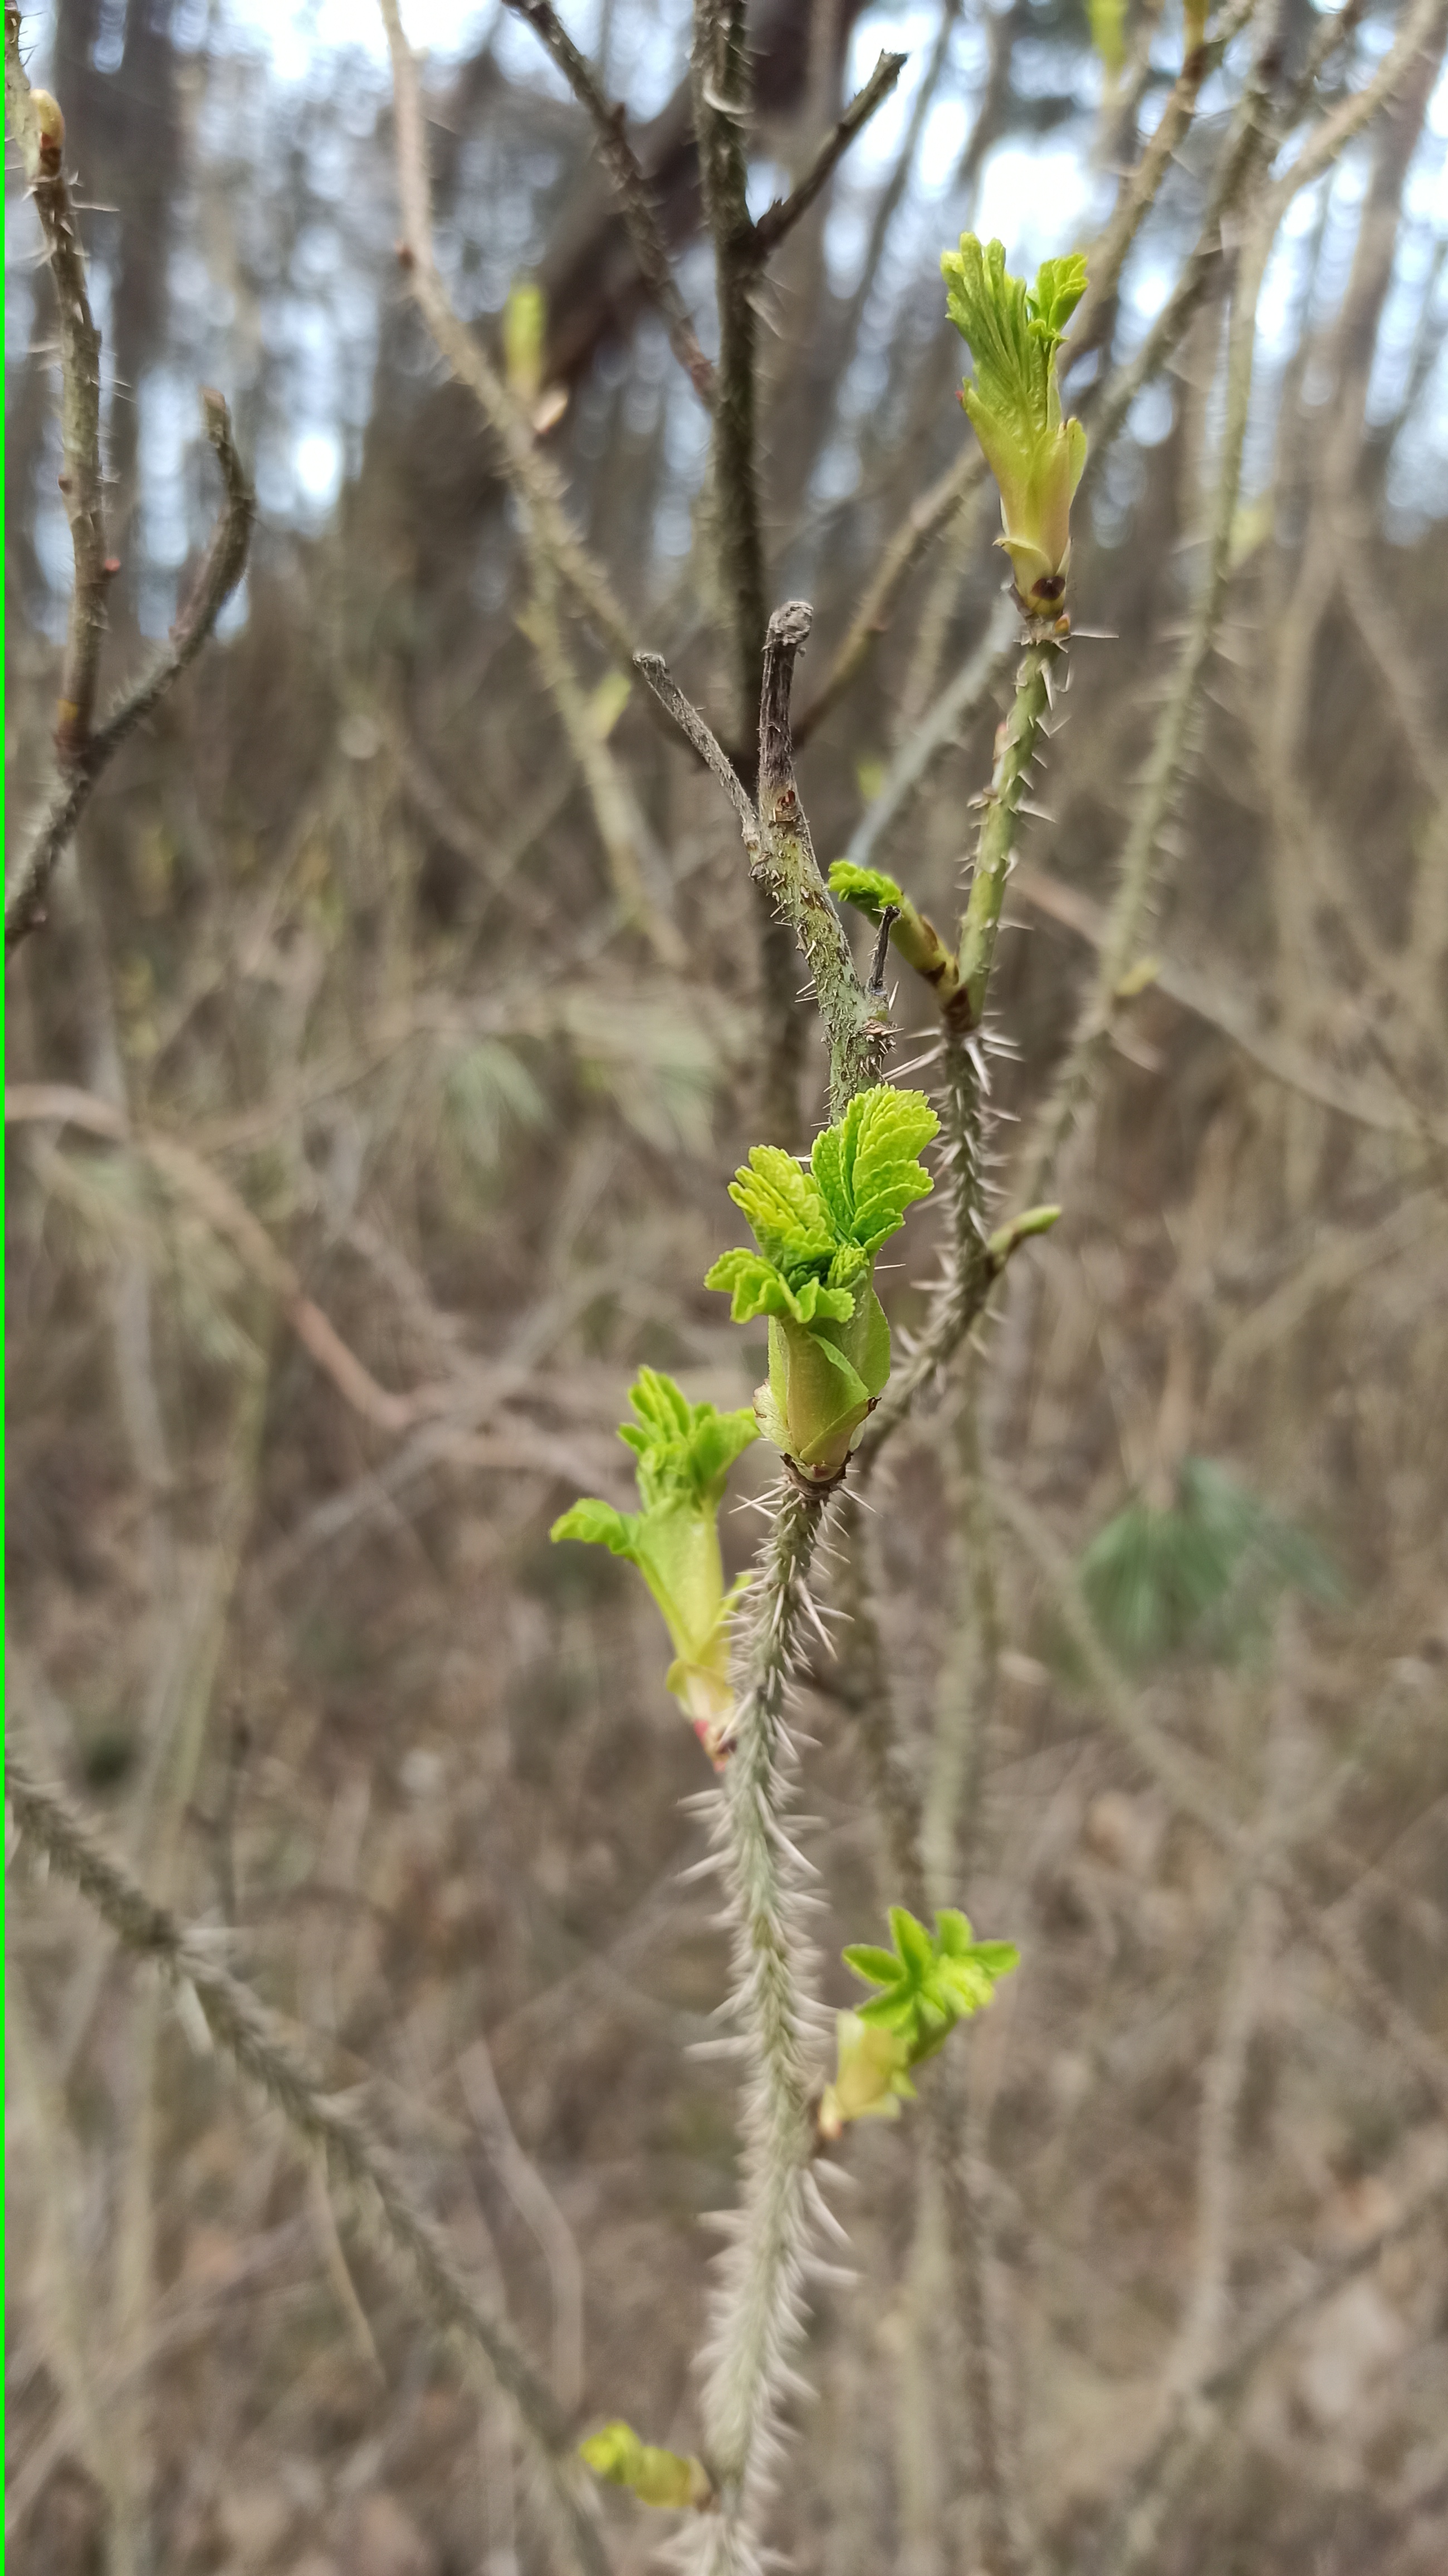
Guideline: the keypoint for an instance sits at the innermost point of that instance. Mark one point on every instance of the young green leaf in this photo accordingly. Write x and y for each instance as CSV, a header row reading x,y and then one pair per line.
x,y
927,1983
868,889
818,1227
914,936
787,1215
1014,404
866,1167
683,1455
665,2478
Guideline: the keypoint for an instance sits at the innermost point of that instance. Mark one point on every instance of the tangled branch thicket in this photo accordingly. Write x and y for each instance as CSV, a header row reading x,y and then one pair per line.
x,y
493,853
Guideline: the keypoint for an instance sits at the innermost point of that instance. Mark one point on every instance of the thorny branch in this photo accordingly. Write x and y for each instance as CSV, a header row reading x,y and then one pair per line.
x,y
781,854
84,749
936,509
856,1023
757,2310
329,2125
39,127
1141,187
221,569
632,189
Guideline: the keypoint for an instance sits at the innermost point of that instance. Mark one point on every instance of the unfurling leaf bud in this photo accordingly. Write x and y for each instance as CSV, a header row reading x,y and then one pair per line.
x,y
1014,405
818,1226
684,1453
913,934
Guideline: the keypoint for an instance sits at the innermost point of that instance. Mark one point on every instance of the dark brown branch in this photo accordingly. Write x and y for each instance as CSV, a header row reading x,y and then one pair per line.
x,y
636,202
328,2124
780,218
221,569
722,80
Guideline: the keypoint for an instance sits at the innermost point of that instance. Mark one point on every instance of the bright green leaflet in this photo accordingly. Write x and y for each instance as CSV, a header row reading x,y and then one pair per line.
x,y
927,1983
655,2476
684,1453
818,1226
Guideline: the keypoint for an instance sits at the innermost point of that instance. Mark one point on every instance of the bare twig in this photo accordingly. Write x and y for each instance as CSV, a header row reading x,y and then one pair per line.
x,y
722,95
781,854
635,198
221,569
331,2127
1141,187
652,667
620,825
780,218
532,476
722,87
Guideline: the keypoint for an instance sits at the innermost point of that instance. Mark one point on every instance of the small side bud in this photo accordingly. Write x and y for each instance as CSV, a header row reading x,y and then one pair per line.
x,y
676,2482
50,125
525,321
1008,1238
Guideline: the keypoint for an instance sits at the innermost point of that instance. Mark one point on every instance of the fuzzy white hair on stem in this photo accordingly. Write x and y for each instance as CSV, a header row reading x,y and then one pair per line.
x,y
774,2239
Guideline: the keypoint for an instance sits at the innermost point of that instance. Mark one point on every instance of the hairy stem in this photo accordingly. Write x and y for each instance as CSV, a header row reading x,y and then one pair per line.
x,y
757,2314
42,146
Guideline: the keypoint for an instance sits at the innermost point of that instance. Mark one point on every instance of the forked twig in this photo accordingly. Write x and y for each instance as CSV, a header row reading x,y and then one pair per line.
x,y
632,189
